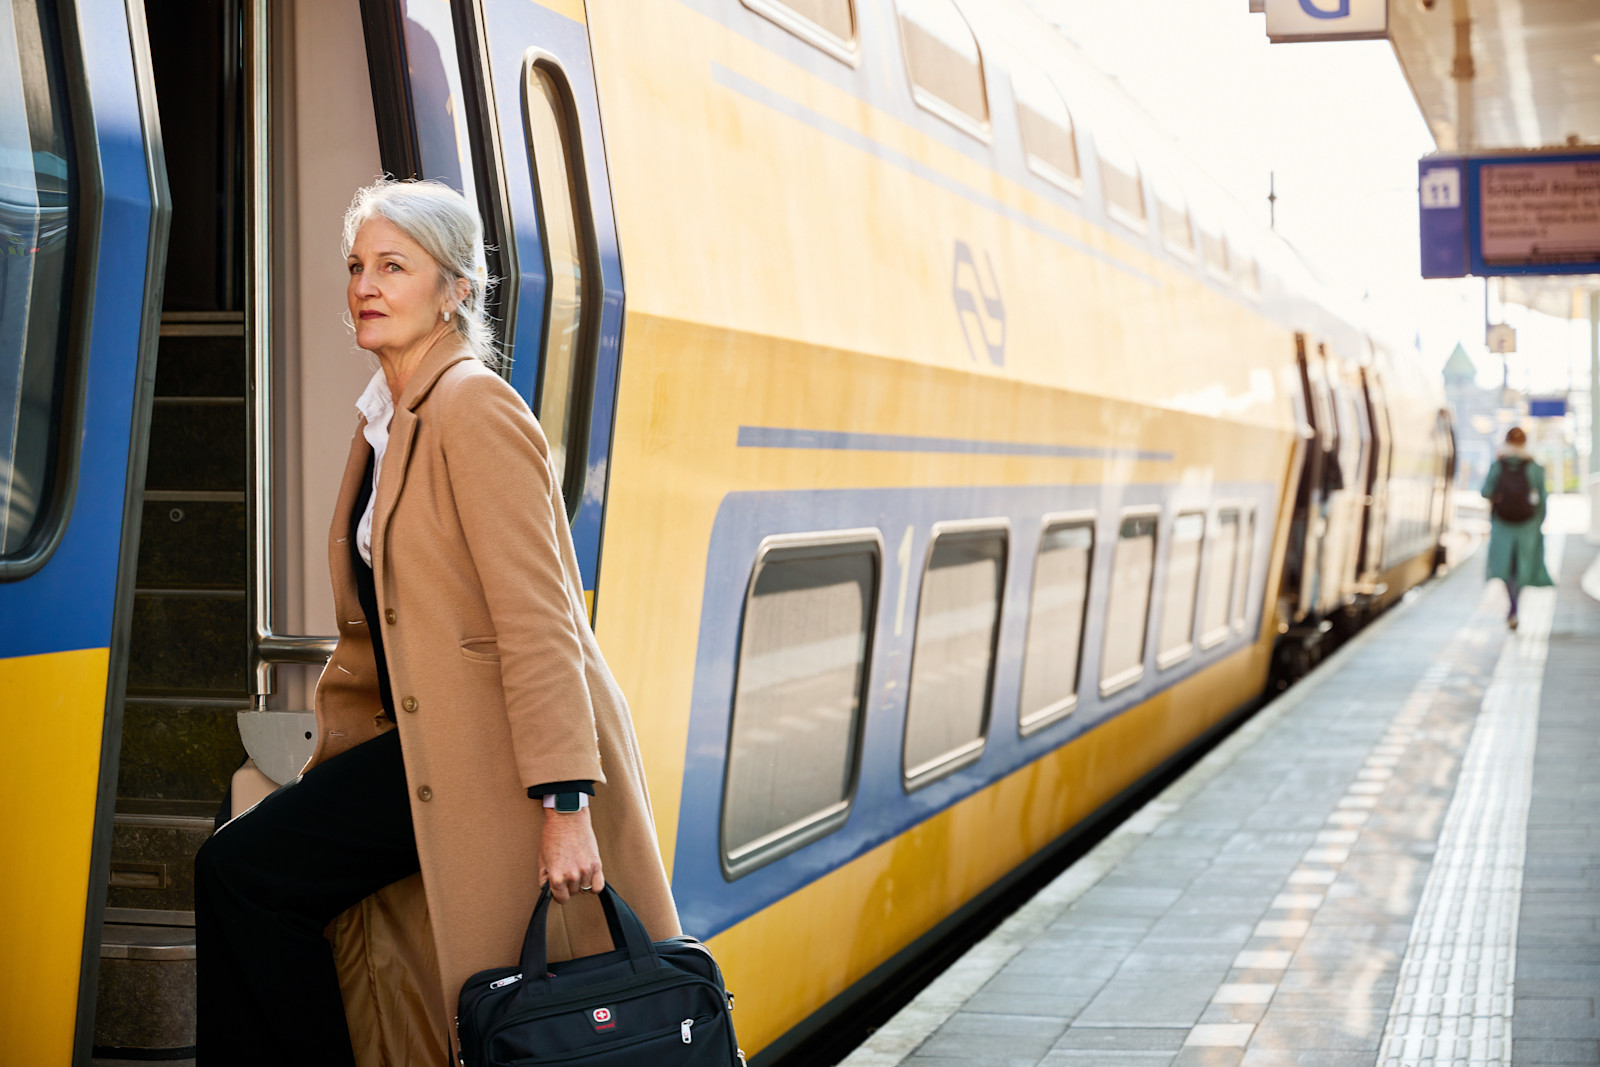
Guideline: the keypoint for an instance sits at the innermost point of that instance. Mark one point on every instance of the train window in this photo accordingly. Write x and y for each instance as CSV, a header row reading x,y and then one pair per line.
x,y
952,658
1249,275
1047,131
1181,589
562,392
797,706
38,201
944,62
1241,579
1119,175
1128,606
1175,226
1217,609
1055,624
828,24
1214,250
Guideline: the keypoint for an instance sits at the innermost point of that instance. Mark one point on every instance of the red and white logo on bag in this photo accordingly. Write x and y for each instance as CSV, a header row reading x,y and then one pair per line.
x,y
602,1019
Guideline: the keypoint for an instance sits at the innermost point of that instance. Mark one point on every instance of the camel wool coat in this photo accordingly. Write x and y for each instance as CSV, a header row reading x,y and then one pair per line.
x,y
498,684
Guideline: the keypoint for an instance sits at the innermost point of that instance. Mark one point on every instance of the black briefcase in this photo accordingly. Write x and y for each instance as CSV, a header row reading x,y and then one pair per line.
x,y
661,1004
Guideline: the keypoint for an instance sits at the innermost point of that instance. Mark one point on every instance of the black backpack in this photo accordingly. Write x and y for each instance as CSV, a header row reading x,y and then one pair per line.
x,y
661,1004
1513,496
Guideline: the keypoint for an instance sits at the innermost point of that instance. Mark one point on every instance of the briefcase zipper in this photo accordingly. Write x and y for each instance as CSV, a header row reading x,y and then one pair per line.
x,y
576,998
688,1031
616,1046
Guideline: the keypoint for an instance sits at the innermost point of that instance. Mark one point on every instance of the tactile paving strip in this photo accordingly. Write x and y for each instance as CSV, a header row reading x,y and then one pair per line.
x,y
1454,1000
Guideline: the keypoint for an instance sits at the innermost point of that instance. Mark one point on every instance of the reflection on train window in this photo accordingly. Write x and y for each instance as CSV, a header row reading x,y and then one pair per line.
x,y
1241,586
1181,588
1214,250
828,24
952,659
1128,605
1176,232
37,202
1046,124
1055,624
562,391
802,672
945,65
1249,275
1119,175
1217,610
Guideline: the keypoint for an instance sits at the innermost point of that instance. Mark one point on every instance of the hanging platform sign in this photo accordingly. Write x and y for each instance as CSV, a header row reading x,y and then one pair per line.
x,y
1535,213
1289,21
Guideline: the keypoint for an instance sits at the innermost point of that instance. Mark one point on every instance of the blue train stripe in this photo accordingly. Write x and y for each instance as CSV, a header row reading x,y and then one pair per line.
x,y
832,440
881,808
767,97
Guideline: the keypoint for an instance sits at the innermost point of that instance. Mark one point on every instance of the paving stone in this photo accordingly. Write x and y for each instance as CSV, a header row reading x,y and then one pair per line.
x,y
1123,1038
1275,908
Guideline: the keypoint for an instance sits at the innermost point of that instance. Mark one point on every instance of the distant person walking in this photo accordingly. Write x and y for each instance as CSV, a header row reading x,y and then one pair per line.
x,y
1515,489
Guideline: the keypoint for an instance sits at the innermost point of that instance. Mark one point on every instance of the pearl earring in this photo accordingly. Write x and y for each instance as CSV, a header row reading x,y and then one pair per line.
x,y
447,316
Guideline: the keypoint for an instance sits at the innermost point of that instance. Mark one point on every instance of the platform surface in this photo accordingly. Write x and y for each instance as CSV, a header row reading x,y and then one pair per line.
x,y
1395,863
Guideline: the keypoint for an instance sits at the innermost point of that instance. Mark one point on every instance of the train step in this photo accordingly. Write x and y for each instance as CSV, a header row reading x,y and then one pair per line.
x,y
146,1003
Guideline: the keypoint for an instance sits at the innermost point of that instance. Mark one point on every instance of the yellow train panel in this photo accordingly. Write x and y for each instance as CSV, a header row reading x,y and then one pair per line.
x,y
52,712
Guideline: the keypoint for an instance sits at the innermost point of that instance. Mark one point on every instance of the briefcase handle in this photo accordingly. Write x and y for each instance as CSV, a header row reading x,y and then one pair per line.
x,y
627,932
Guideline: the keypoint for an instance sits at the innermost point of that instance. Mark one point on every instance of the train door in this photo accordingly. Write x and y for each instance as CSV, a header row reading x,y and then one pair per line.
x,y
1377,478
562,270
83,229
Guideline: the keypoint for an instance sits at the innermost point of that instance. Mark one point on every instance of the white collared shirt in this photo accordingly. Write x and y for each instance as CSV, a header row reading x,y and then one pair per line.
x,y
377,406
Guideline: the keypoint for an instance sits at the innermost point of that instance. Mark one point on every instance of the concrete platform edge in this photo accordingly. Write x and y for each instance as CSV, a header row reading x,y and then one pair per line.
x,y
917,1021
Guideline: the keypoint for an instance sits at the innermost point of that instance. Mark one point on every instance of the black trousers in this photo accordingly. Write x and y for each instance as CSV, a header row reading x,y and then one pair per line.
x,y
269,882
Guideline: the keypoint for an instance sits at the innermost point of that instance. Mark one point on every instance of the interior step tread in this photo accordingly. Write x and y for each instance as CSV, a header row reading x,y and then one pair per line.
x,y
121,941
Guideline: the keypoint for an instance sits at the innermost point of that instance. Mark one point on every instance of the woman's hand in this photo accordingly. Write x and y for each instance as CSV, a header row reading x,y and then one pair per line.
x,y
569,858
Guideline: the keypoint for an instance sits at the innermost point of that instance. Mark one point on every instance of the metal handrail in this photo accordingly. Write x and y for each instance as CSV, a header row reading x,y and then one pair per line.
x,y
266,648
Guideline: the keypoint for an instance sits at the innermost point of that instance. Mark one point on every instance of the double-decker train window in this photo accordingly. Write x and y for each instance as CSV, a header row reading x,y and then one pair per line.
x,y
952,659
1217,606
1133,564
1214,250
798,701
1249,274
565,365
1047,130
828,24
1052,657
1177,233
1241,579
945,65
1181,589
1120,178
37,202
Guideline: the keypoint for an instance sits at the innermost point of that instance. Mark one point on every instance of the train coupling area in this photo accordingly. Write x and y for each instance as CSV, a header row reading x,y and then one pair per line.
x,y
1395,863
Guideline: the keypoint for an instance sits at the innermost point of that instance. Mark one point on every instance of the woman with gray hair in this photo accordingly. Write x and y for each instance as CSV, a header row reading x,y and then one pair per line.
x,y
471,742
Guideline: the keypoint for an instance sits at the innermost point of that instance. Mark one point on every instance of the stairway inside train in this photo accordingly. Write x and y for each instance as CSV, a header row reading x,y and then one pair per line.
x,y
188,660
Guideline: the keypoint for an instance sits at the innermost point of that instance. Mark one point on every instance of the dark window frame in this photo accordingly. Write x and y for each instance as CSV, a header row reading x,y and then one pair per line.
x,y
1037,164
781,14
1210,639
586,358
79,277
970,752
1168,658
1060,709
938,106
1132,675
789,839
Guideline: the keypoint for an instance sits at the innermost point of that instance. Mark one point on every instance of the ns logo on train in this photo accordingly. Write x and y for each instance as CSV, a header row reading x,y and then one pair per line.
x,y
978,305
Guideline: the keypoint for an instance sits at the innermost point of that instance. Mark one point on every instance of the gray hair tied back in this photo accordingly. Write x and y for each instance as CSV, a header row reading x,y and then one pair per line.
x,y
440,220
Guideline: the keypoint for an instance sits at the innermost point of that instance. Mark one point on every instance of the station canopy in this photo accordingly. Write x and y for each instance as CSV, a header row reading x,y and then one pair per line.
x,y
1536,67
1536,84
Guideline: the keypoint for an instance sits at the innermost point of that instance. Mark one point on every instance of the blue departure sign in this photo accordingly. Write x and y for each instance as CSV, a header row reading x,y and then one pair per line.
x,y
1502,213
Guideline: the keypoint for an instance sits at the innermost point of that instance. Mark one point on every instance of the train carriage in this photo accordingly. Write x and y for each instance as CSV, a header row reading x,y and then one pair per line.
x,y
946,454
